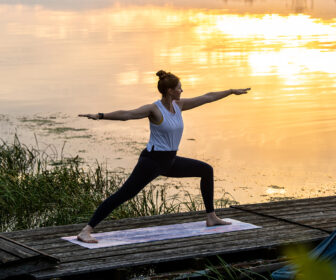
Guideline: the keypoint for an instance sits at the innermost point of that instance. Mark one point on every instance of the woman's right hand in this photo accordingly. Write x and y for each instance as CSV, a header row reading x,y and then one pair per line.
x,y
90,116
240,91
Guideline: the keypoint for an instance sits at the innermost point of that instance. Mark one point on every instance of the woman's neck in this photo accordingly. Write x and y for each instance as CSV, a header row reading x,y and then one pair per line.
x,y
167,101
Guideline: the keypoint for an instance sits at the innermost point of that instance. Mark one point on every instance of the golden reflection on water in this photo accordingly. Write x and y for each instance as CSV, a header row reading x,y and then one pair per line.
x,y
282,132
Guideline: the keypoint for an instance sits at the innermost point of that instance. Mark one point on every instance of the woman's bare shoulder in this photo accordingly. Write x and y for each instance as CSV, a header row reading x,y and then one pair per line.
x,y
156,114
154,107
149,107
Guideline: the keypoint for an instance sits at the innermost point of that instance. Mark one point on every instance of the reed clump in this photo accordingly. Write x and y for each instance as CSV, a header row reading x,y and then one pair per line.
x,y
40,189
225,271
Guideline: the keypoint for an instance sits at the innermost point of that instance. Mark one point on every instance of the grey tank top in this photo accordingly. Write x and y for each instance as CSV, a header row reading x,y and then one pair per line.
x,y
166,136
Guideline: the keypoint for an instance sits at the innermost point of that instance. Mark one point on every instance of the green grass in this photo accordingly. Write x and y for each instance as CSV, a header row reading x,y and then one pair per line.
x,y
38,189
224,271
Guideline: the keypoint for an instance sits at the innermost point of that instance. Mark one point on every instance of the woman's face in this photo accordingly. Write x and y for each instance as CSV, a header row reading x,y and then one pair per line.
x,y
176,92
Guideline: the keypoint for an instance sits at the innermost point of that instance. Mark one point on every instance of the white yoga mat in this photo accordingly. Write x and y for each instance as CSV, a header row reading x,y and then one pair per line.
x,y
148,234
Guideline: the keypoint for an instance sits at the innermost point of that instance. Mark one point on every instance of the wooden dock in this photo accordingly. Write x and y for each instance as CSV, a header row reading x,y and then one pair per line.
x,y
18,259
282,223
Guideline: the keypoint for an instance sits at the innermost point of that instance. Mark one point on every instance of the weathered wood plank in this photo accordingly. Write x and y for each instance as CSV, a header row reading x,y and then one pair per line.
x,y
305,201
16,270
65,245
177,246
312,218
20,248
293,209
289,208
307,204
15,249
7,257
108,263
266,223
17,259
318,213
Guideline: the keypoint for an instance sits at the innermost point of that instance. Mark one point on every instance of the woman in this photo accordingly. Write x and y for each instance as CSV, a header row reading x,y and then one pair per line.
x,y
159,157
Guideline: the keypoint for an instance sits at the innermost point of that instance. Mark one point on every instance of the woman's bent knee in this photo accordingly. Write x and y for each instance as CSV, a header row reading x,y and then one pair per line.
x,y
208,170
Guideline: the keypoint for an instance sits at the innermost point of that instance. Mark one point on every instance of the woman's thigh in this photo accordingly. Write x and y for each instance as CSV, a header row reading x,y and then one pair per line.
x,y
187,167
144,172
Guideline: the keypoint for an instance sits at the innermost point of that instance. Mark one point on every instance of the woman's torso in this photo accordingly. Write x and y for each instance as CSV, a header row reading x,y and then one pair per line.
x,y
156,115
166,128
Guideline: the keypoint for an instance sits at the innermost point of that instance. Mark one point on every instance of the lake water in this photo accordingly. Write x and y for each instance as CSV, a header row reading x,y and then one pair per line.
x,y
59,59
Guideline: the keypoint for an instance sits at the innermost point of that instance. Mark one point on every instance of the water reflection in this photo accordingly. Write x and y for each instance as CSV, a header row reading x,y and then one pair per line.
x,y
297,6
103,56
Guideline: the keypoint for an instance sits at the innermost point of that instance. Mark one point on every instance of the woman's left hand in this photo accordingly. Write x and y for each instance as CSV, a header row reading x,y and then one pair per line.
x,y
240,91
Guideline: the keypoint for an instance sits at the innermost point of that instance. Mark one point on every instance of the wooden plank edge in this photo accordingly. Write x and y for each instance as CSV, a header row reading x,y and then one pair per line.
x,y
280,219
46,256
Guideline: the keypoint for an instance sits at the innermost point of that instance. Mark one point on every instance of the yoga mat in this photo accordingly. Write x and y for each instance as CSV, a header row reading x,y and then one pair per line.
x,y
156,233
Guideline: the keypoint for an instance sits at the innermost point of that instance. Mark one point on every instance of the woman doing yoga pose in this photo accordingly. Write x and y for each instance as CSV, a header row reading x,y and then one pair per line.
x,y
159,157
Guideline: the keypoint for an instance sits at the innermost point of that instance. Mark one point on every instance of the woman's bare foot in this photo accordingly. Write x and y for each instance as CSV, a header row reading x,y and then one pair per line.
x,y
213,220
85,235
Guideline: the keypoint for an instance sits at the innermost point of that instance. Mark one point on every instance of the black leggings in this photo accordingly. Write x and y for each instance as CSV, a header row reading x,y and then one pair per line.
x,y
150,165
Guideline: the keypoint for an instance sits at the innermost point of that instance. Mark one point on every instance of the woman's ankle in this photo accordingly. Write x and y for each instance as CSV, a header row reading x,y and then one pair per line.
x,y
88,228
211,214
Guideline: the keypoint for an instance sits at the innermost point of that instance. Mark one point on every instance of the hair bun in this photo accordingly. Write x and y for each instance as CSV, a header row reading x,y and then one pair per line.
x,y
161,74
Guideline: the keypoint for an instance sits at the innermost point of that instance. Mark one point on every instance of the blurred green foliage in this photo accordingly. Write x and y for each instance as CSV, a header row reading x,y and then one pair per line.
x,y
308,267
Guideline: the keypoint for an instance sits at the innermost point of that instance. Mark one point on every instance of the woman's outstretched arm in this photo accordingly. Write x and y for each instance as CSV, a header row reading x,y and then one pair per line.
x,y
124,115
190,103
